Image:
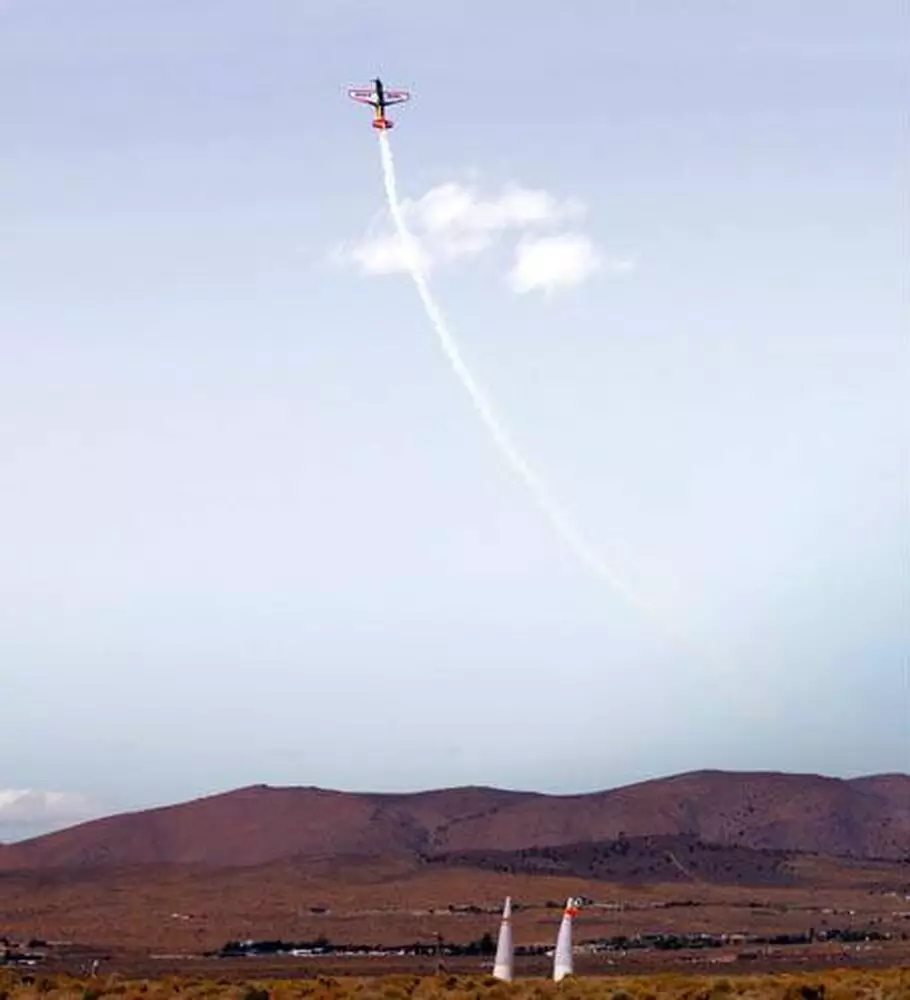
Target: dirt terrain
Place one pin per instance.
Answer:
(191, 910)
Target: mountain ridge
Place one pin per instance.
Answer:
(864, 817)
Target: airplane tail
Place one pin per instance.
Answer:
(504, 963)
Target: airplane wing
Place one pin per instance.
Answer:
(396, 96)
(366, 95)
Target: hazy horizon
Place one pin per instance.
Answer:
(253, 530)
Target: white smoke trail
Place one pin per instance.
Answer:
(557, 519)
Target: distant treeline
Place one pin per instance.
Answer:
(482, 946)
(671, 942)
(485, 946)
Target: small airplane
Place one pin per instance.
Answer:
(379, 98)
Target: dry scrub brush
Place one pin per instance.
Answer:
(844, 984)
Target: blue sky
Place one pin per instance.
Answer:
(252, 529)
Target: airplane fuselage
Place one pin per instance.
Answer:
(379, 100)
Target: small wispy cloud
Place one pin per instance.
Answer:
(454, 222)
(549, 263)
(26, 812)
(552, 262)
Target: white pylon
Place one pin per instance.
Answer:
(503, 965)
(562, 957)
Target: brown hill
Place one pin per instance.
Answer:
(639, 861)
(867, 817)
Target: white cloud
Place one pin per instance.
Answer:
(552, 262)
(453, 211)
(28, 811)
(382, 255)
(453, 222)
(548, 263)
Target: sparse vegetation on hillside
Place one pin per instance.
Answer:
(845, 984)
(745, 813)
